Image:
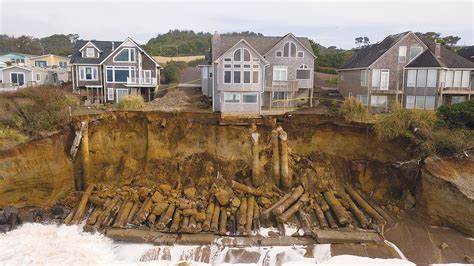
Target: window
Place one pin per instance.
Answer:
(63, 64)
(17, 79)
(87, 73)
(231, 97)
(286, 49)
(457, 79)
(236, 76)
(204, 72)
(238, 55)
(110, 94)
(279, 95)
(362, 98)
(375, 78)
(363, 78)
(415, 51)
(378, 100)
(147, 76)
(384, 79)
(303, 72)
(300, 54)
(116, 74)
(431, 82)
(41, 63)
(449, 78)
(465, 79)
(457, 99)
(420, 102)
(227, 76)
(227, 59)
(410, 102)
(280, 73)
(255, 77)
(289, 49)
(278, 53)
(246, 55)
(247, 77)
(293, 50)
(250, 98)
(430, 103)
(421, 78)
(90, 52)
(38, 77)
(402, 54)
(227, 66)
(126, 55)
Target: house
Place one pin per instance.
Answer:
(408, 69)
(105, 71)
(467, 52)
(50, 60)
(17, 76)
(248, 74)
(16, 58)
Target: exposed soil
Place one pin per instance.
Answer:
(179, 99)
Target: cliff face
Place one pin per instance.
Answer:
(446, 193)
(191, 149)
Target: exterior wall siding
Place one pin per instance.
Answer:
(7, 74)
(349, 83)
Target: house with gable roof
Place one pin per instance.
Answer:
(408, 69)
(105, 71)
(248, 74)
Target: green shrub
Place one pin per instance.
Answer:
(131, 102)
(326, 70)
(332, 105)
(403, 122)
(172, 71)
(353, 110)
(9, 135)
(460, 115)
(447, 142)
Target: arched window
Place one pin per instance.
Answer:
(286, 49)
(246, 55)
(303, 66)
(293, 50)
(238, 55)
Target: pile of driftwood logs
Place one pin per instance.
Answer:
(238, 212)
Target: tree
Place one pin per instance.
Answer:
(59, 44)
(29, 45)
(359, 41)
(451, 40)
(366, 41)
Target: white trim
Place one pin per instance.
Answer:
(129, 55)
(93, 54)
(89, 42)
(298, 41)
(17, 73)
(130, 68)
(110, 96)
(137, 46)
(248, 44)
(249, 93)
(36, 77)
(120, 89)
(96, 78)
(22, 67)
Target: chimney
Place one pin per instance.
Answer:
(215, 40)
(438, 49)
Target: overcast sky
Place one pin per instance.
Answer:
(329, 22)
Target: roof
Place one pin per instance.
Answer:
(104, 46)
(262, 44)
(447, 58)
(41, 56)
(367, 55)
(467, 52)
(18, 54)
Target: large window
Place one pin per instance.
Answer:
(362, 98)
(247, 77)
(402, 54)
(237, 76)
(363, 78)
(280, 73)
(227, 76)
(380, 78)
(410, 102)
(116, 74)
(303, 72)
(231, 97)
(280, 95)
(17, 79)
(378, 100)
(421, 78)
(449, 78)
(250, 98)
(375, 78)
(430, 103)
(457, 79)
(415, 51)
(431, 80)
(465, 79)
(238, 69)
(411, 78)
(126, 55)
(289, 49)
(87, 73)
(420, 102)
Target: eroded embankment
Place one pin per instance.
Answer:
(191, 149)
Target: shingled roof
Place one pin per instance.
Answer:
(467, 52)
(367, 55)
(262, 44)
(104, 46)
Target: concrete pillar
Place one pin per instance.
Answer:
(275, 157)
(84, 150)
(284, 169)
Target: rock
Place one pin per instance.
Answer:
(444, 246)
(166, 188)
(4, 228)
(222, 197)
(157, 197)
(3, 218)
(468, 259)
(235, 202)
(200, 216)
(26, 217)
(408, 200)
(190, 192)
(189, 212)
(59, 212)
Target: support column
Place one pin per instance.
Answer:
(275, 158)
(84, 149)
(256, 168)
(284, 170)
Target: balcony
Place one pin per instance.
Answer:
(283, 85)
(453, 90)
(385, 91)
(141, 82)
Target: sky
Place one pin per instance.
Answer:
(328, 22)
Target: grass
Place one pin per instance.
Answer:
(9, 136)
(131, 102)
(353, 110)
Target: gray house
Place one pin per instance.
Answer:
(250, 74)
(105, 71)
(408, 69)
(17, 76)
